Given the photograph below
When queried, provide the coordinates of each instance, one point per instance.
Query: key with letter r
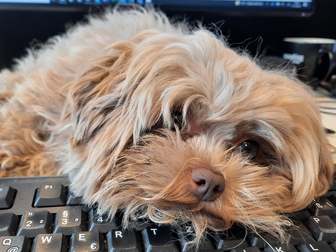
(122, 240)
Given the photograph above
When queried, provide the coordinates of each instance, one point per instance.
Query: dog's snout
(206, 185)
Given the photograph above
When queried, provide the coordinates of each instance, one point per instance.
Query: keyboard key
(299, 234)
(8, 224)
(331, 195)
(321, 246)
(333, 185)
(50, 243)
(69, 221)
(35, 223)
(122, 240)
(322, 228)
(248, 249)
(322, 207)
(14, 244)
(7, 195)
(282, 248)
(87, 241)
(139, 224)
(186, 234)
(208, 250)
(157, 239)
(303, 214)
(74, 201)
(333, 245)
(100, 222)
(232, 238)
(50, 195)
(256, 241)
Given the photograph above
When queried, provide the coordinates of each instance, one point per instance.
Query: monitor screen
(253, 7)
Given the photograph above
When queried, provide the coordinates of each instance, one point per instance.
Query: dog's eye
(250, 148)
(177, 118)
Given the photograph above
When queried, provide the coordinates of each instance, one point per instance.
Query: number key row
(67, 221)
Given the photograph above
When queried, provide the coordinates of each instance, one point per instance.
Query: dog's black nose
(206, 185)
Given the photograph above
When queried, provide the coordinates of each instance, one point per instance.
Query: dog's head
(178, 127)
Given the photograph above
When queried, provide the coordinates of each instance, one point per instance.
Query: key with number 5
(69, 221)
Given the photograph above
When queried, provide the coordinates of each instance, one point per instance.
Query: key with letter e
(87, 241)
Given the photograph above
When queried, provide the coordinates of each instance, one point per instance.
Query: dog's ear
(100, 90)
(313, 166)
(100, 109)
(92, 97)
(326, 171)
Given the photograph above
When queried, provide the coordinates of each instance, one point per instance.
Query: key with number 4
(100, 222)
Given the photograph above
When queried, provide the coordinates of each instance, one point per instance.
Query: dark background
(21, 29)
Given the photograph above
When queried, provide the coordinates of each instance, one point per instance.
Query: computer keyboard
(40, 214)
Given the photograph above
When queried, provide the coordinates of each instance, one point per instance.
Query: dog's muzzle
(206, 185)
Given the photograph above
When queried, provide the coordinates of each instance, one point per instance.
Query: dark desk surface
(22, 29)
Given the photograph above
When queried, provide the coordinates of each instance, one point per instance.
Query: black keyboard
(40, 214)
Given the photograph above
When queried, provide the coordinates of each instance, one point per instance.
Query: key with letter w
(50, 243)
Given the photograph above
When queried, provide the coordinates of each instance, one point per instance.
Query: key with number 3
(69, 221)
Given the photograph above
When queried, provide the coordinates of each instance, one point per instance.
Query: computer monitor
(302, 8)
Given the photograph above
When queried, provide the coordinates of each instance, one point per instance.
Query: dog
(164, 121)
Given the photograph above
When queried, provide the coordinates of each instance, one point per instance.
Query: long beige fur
(89, 102)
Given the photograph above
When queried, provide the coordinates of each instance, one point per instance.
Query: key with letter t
(158, 239)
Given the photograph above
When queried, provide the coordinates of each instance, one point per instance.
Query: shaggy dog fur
(129, 104)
